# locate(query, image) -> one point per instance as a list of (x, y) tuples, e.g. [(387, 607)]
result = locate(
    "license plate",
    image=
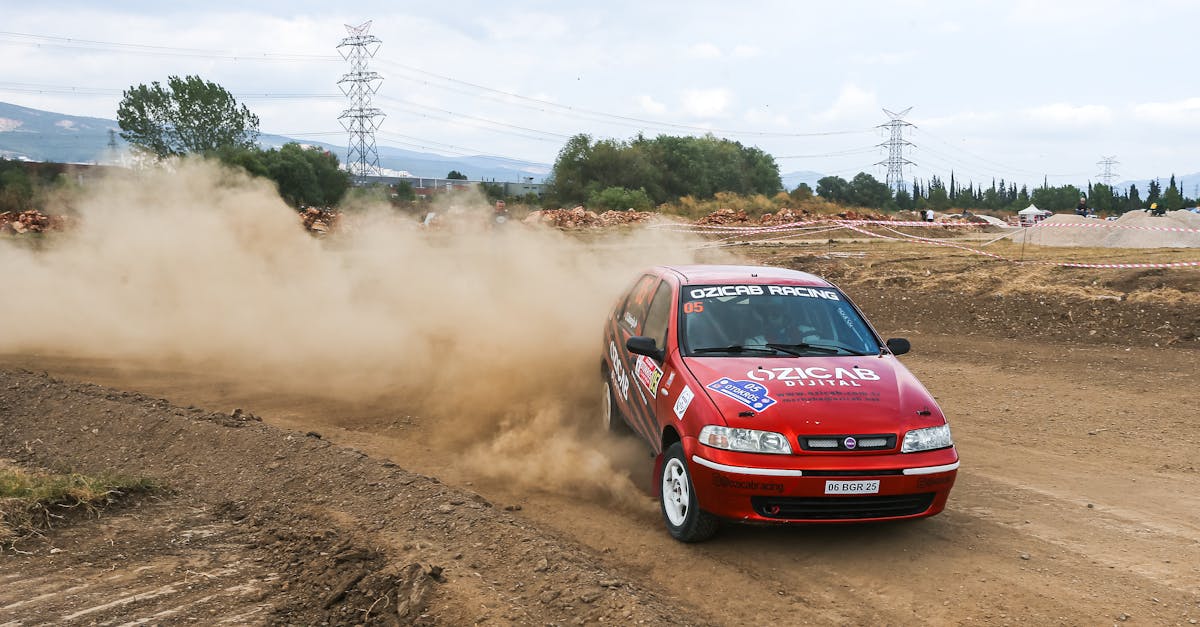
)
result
[(852, 487)]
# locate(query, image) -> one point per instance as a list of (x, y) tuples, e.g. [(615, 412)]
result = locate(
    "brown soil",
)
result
[(1071, 394)]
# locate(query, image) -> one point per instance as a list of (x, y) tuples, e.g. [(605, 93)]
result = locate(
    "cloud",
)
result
[(704, 50), (1065, 114), (852, 102), (760, 117), (885, 58), (704, 103), (650, 105), (1178, 112), (743, 51)]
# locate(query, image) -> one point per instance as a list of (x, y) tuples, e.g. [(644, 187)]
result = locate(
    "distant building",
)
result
[(432, 186)]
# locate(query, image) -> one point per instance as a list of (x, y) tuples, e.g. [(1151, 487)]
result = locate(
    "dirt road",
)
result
[(1076, 503)]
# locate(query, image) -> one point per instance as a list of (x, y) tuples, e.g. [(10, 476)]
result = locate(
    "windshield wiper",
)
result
[(798, 349), (736, 348)]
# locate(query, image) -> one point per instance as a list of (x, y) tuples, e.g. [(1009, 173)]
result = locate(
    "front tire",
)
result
[(685, 520)]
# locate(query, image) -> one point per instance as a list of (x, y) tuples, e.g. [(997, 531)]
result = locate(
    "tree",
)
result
[(833, 189), (1153, 193), (190, 115), (455, 175), (619, 198), (867, 191), (303, 176), (665, 167), (1172, 200)]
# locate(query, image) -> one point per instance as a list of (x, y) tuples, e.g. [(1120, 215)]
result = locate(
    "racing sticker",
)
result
[(815, 376), (648, 373), (681, 404), (748, 393)]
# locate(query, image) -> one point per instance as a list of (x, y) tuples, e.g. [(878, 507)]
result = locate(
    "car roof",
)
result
[(721, 274)]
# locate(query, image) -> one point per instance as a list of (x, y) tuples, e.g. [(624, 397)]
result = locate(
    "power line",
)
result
[(28, 39), (623, 118)]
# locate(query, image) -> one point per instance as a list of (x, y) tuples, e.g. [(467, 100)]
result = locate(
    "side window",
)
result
[(634, 314), (659, 315)]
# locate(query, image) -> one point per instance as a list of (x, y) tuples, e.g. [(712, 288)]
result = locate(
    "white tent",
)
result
[(1031, 215)]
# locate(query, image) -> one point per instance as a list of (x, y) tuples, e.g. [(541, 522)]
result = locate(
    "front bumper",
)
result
[(792, 488)]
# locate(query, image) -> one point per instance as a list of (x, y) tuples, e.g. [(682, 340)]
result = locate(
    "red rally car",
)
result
[(769, 398)]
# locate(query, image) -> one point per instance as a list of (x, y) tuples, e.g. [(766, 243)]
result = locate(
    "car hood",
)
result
[(816, 395)]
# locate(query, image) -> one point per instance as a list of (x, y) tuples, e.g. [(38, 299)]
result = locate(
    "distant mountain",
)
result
[(44, 136), (793, 179), (36, 135)]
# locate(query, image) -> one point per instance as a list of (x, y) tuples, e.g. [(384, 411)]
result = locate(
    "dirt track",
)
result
[(1076, 502)]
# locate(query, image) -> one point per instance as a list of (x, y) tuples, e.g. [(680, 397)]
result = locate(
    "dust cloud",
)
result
[(495, 335)]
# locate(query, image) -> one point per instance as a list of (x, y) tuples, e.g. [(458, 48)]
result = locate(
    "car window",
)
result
[(633, 315), (658, 315), (801, 319)]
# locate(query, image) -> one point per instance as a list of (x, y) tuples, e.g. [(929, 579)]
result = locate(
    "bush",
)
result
[(619, 198)]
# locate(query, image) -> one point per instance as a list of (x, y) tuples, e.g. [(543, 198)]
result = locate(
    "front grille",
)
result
[(841, 507), (848, 442)]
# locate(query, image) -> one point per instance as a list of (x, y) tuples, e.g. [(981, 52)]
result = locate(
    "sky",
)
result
[(1018, 90)]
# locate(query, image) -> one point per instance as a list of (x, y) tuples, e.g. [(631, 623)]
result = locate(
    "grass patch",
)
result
[(34, 501)]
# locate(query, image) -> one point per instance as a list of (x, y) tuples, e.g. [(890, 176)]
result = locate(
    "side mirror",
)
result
[(642, 345), (898, 345)]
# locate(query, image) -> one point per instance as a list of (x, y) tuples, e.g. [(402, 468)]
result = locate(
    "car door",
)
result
[(646, 372)]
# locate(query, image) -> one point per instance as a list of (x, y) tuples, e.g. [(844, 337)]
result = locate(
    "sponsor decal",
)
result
[(630, 320), (726, 290), (685, 399), (619, 376), (648, 373), (808, 292), (721, 481), (751, 394), (670, 379), (814, 376), (810, 395)]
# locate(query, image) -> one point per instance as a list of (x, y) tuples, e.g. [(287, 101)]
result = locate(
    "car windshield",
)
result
[(766, 320)]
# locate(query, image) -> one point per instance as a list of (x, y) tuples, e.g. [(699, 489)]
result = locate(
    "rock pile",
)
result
[(722, 217), (564, 218), (319, 221), (31, 221)]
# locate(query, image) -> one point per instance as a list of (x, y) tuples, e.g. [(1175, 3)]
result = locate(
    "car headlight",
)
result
[(927, 439), (747, 440)]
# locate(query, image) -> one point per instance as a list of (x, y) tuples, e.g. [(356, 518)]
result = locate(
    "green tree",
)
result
[(665, 167), (802, 193), (868, 191), (189, 115), (833, 189), (1153, 193), (1172, 200), (618, 198), (455, 175)]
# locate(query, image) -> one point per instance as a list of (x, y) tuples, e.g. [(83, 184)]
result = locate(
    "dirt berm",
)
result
[(270, 526)]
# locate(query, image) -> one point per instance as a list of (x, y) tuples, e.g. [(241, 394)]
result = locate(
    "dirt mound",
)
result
[(1134, 229)]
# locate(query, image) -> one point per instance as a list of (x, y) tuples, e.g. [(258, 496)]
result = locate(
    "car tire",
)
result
[(610, 415), (685, 520)]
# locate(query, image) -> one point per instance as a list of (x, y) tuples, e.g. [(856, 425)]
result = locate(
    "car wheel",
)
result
[(610, 415), (685, 520)]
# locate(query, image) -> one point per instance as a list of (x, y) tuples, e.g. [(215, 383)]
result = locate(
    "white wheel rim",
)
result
[(606, 418), (675, 495)]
